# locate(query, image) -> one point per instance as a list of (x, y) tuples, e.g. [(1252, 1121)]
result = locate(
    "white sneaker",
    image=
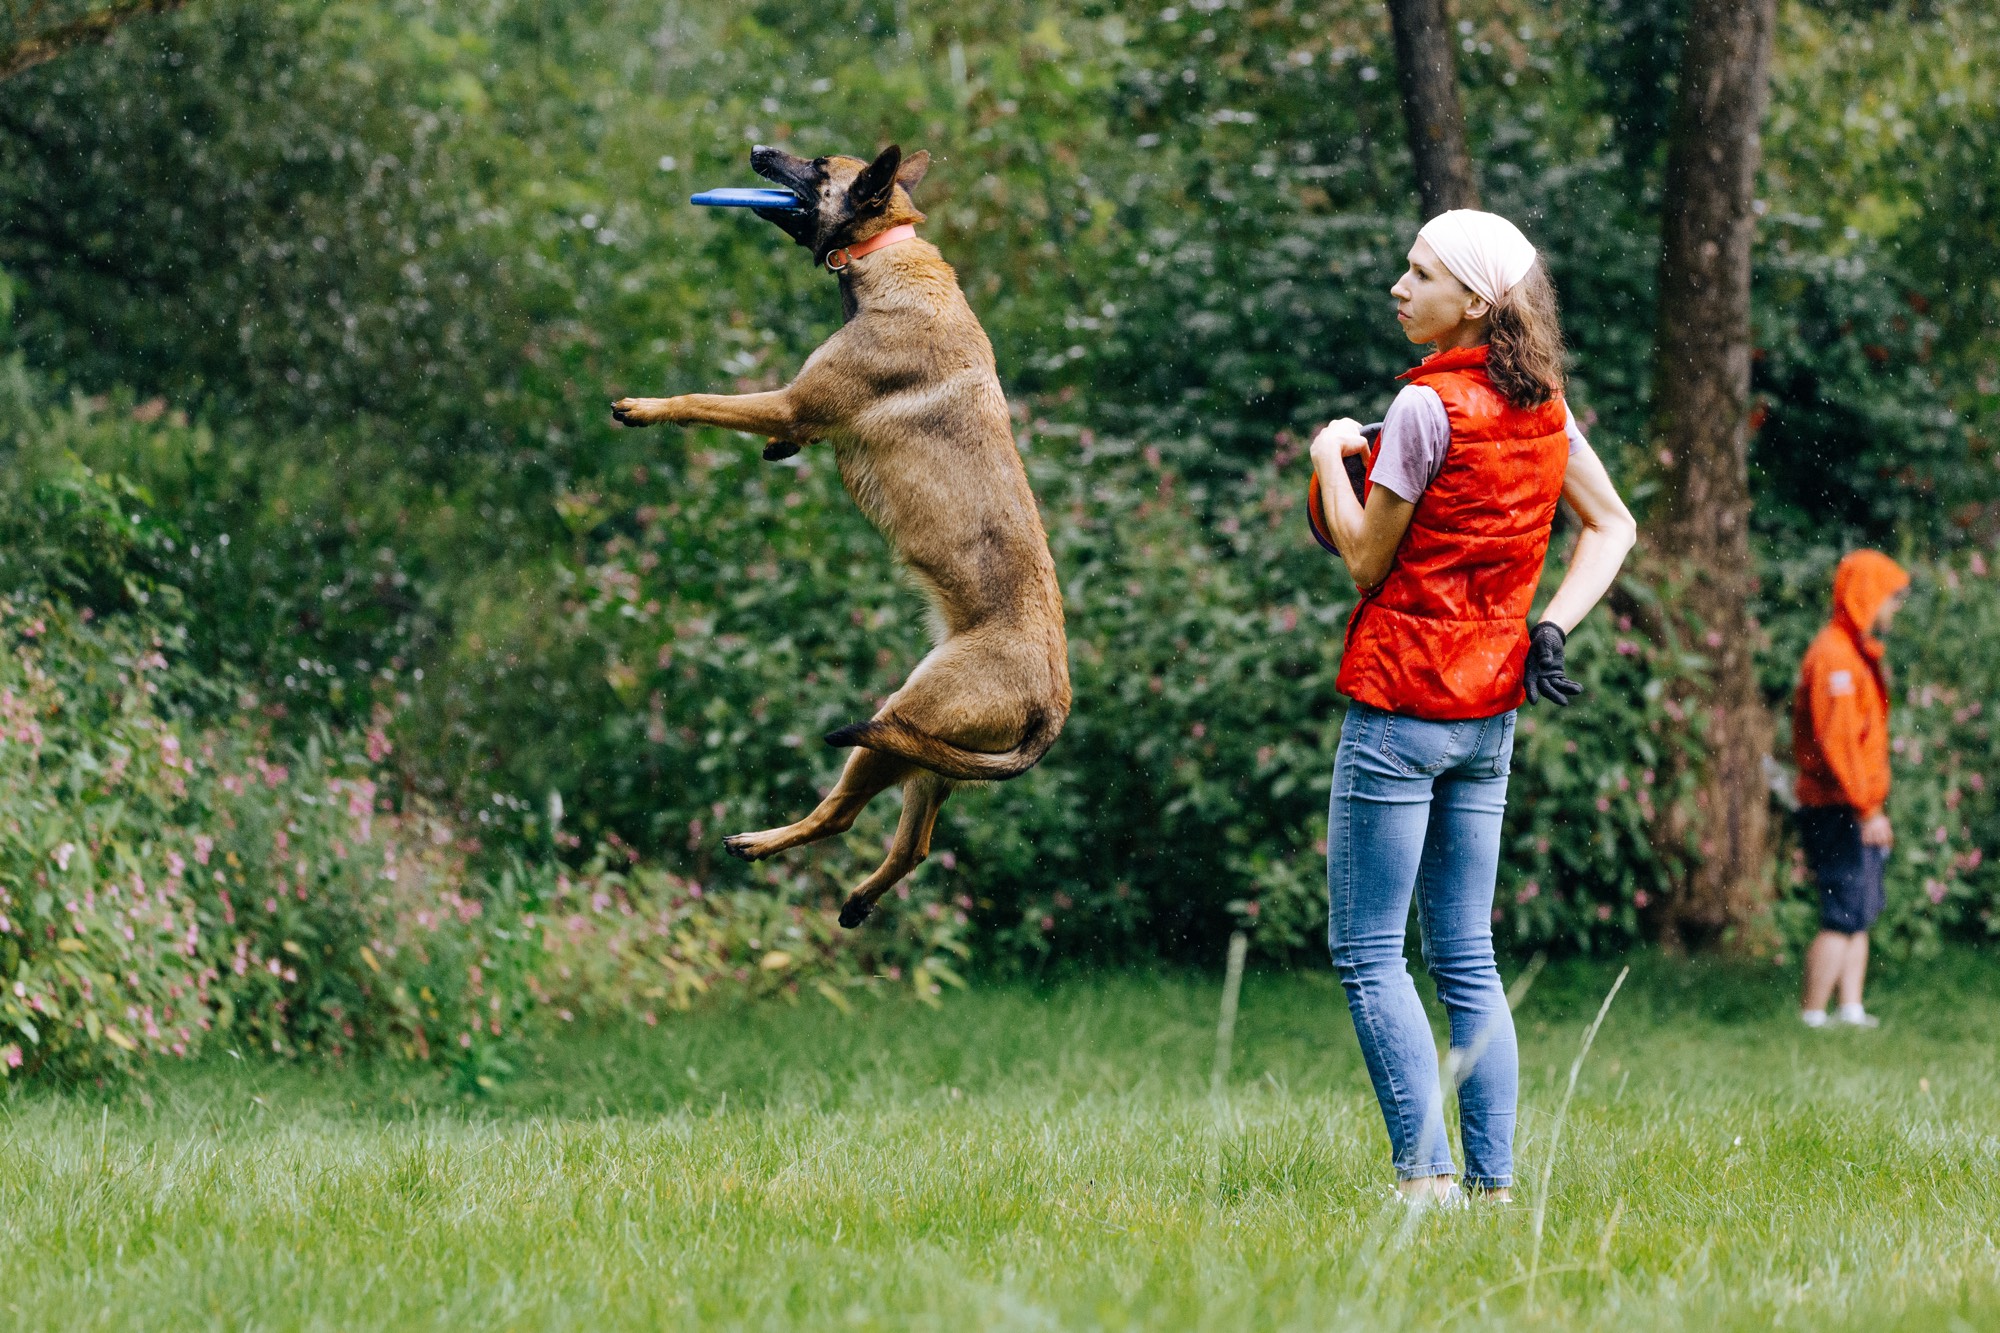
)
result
[(1813, 1018), (1854, 1016), (1451, 1197)]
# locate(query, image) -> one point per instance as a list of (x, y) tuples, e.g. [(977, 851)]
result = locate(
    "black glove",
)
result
[(1544, 675)]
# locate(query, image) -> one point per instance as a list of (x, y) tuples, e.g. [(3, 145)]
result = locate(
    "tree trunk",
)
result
[(1701, 393), (1427, 73)]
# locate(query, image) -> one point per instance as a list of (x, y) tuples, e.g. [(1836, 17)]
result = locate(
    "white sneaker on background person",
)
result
[(1854, 1016), (1813, 1018)]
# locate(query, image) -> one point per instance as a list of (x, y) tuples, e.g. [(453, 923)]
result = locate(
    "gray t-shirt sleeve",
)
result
[(1412, 445), (1577, 444), (1416, 435)]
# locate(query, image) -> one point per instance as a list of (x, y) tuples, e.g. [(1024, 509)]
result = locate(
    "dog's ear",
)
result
[(911, 173), (872, 187)]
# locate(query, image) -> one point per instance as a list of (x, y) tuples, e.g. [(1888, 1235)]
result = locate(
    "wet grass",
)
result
[(1045, 1159)]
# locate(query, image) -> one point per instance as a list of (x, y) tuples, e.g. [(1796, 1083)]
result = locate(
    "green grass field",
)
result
[(1044, 1159)]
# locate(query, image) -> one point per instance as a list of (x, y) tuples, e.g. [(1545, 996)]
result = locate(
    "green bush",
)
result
[(171, 877)]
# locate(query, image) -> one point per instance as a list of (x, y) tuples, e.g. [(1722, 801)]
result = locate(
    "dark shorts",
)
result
[(1847, 873)]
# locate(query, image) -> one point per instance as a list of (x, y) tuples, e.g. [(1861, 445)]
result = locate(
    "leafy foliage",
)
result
[(165, 882), (332, 297)]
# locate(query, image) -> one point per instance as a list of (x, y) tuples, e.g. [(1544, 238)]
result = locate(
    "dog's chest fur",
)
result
[(857, 460)]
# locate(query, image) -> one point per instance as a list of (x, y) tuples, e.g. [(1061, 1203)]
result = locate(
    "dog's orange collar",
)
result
[(847, 254)]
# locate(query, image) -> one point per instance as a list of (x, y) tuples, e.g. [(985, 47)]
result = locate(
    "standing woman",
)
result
[(1446, 551)]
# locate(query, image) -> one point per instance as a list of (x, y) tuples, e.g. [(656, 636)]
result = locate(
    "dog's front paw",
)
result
[(853, 912), (640, 411), (742, 846)]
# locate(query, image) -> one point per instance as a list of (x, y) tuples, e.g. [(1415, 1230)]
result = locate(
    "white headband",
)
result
[(1484, 251)]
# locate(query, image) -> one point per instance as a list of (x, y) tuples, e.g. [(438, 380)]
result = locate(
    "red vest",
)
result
[(1446, 634)]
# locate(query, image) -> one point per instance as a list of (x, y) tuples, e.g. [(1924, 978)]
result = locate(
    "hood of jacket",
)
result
[(1863, 581)]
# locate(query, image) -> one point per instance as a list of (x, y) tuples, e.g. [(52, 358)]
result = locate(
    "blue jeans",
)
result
[(1416, 809)]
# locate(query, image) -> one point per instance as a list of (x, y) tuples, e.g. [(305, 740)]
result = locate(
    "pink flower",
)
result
[(361, 803), (378, 745), (203, 846), (63, 854), (12, 1055), (1641, 898), (1528, 892), (1604, 911), (175, 865), (1934, 890)]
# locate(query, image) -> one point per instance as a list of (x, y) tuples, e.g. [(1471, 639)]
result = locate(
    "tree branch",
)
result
[(96, 25)]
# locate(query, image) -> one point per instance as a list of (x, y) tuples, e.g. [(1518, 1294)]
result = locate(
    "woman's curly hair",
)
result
[(1525, 354)]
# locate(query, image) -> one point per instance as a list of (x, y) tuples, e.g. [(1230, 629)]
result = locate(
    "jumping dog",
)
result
[(907, 393)]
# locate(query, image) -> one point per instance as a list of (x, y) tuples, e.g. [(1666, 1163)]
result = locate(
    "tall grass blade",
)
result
[(1555, 1137), (1225, 1027), (1218, 1075)]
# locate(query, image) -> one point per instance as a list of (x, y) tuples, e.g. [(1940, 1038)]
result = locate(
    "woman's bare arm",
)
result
[(1366, 537), (1608, 534)]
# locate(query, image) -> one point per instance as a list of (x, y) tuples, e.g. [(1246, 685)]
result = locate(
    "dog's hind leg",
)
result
[(923, 793), (867, 775)]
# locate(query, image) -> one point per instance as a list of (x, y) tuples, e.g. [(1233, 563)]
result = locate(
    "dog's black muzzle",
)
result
[(787, 170), (802, 178)]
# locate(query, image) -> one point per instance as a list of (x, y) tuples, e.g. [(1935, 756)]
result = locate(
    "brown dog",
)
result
[(907, 393)]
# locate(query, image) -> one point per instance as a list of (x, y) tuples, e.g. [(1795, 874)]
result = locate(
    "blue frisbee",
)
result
[(784, 200)]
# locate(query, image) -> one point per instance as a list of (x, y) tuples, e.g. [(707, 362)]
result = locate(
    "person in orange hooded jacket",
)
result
[(1840, 741)]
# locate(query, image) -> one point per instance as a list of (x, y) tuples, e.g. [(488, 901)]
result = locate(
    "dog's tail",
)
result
[(890, 736)]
